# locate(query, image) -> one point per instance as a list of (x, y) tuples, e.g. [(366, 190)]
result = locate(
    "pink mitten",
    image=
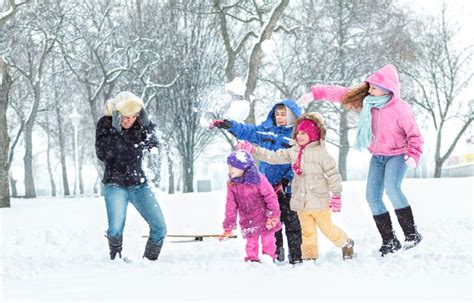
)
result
[(244, 145), (335, 204), (409, 161), (227, 234), (271, 223), (305, 99)]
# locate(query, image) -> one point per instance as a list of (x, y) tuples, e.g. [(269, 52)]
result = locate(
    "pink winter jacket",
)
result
[(254, 203), (393, 126)]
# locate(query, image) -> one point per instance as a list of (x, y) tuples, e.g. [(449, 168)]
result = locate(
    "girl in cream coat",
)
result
[(316, 177)]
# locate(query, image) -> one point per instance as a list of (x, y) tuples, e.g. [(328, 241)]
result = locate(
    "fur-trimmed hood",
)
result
[(126, 103), (317, 118)]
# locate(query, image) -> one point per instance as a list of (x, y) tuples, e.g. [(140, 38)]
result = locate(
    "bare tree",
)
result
[(247, 13), (442, 76), (7, 11), (5, 83), (31, 65), (180, 107)]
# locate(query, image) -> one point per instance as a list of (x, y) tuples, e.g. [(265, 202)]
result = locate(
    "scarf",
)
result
[(297, 165), (364, 127)]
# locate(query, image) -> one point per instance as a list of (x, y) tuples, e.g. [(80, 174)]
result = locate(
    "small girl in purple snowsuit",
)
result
[(251, 196)]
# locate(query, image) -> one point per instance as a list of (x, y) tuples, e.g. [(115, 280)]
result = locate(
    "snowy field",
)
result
[(54, 250)]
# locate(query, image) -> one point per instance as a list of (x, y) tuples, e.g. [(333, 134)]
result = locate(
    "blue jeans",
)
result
[(386, 172), (116, 201)]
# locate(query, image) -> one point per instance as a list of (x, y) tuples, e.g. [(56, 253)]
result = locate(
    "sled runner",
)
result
[(197, 237)]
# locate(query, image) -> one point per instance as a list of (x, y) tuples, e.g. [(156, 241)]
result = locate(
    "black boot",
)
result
[(115, 246), (390, 243), (152, 250), (405, 218), (280, 252)]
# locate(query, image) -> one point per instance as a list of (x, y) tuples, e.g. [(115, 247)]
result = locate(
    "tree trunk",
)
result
[(188, 174), (438, 160), (438, 168), (62, 153), (14, 192), (256, 58), (344, 145), (170, 173), (48, 157), (5, 83), (30, 191)]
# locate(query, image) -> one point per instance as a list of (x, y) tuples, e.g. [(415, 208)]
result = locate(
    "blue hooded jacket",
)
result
[(270, 136)]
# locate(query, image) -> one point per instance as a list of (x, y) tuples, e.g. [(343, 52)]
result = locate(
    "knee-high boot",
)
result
[(390, 243), (152, 250), (405, 218), (115, 246)]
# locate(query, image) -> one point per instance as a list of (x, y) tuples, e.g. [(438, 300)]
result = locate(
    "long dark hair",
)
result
[(355, 97)]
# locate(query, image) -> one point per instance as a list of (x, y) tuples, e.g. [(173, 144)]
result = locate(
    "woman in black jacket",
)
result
[(122, 135)]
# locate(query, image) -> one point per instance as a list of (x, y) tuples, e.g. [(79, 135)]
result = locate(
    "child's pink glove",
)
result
[(335, 204), (305, 99), (409, 161), (227, 234), (271, 222), (244, 145)]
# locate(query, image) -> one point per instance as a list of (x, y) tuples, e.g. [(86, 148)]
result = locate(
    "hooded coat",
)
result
[(393, 126), (320, 176), (254, 203), (272, 137)]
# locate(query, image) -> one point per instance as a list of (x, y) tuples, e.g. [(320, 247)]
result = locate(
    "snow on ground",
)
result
[(53, 249)]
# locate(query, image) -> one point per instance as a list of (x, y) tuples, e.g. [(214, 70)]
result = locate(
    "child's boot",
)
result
[(280, 252), (405, 218), (348, 249)]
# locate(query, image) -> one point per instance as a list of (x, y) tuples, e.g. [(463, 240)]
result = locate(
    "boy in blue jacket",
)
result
[(275, 133)]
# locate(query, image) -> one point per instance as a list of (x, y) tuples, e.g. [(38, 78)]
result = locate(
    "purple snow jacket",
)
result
[(393, 126), (254, 203)]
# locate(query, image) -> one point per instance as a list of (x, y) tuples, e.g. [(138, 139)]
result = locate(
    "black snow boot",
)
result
[(152, 250), (405, 218), (280, 252), (390, 243), (115, 246)]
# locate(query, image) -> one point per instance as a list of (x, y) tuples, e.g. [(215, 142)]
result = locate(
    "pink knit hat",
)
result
[(310, 128)]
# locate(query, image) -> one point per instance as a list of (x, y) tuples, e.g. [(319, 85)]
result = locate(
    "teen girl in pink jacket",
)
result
[(388, 129)]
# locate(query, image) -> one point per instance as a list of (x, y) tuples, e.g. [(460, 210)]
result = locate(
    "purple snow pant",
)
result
[(268, 246)]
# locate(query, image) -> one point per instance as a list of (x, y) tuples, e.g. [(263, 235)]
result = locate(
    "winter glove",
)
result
[(409, 161), (143, 118), (305, 99), (244, 145), (116, 121), (271, 222), (226, 235), (225, 124), (335, 204)]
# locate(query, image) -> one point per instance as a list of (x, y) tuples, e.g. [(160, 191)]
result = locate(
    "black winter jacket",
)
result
[(122, 152)]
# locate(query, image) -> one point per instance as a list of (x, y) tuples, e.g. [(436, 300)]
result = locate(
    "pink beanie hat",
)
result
[(310, 128)]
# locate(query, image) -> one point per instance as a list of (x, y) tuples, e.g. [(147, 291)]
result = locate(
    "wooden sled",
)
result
[(196, 237)]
